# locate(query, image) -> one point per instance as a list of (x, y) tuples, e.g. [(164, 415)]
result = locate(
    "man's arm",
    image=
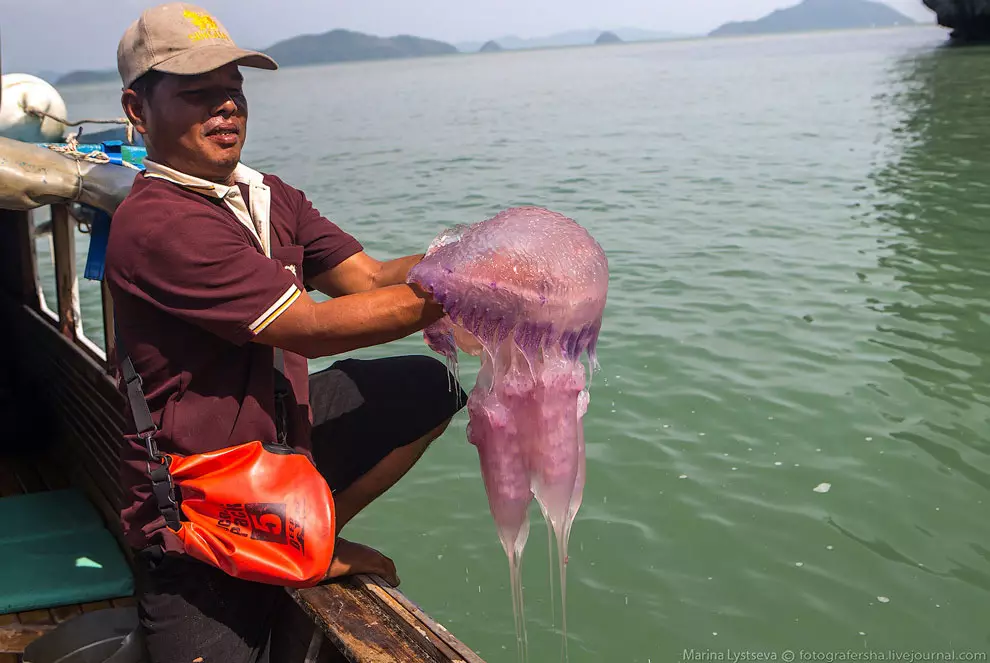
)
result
[(352, 321), (361, 273)]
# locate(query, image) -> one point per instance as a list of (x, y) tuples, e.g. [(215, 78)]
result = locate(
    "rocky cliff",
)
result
[(969, 20)]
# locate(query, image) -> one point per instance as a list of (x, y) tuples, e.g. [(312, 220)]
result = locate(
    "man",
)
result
[(208, 264)]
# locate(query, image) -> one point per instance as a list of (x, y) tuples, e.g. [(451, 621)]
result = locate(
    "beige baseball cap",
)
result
[(179, 38)]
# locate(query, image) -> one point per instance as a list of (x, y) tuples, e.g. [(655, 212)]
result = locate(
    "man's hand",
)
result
[(353, 558)]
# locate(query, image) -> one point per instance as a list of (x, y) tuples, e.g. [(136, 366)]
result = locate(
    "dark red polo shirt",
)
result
[(191, 286)]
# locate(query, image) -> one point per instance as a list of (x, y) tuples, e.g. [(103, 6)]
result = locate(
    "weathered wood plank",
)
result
[(108, 326), (360, 629), (399, 604), (35, 617), (18, 260), (65, 612), (51, 474), (27, 475), (101, 461), (16, 637), (35, 328), (95, 605), (9, 485), (9, 658), (66, 283), (20, 630)]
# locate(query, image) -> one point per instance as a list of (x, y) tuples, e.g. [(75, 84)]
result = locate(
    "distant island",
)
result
[(346, 46), (47, 75), (490, 47), (570, 38), (333, 46), (84, 77), (608, 38), (969, 21), (820, 15)]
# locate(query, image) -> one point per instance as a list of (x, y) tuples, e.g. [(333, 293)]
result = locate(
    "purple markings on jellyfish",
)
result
[(525, 291)]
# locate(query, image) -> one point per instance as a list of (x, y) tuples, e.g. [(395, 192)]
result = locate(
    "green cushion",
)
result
[(38, 515), (54, 550), (62, 569)]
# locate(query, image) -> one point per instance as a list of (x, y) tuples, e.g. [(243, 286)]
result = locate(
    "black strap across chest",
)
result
[(146, 428), (157, 465)]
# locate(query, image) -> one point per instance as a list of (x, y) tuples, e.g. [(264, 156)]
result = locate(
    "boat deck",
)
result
[(32, 473)]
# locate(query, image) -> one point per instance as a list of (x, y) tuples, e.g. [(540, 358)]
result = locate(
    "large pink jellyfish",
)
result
[(526, 292)]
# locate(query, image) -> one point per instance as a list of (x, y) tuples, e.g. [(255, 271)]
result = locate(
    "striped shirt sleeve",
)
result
[(275, 310)]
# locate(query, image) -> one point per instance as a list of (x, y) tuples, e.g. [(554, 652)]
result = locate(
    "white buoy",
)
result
[(23, 91)]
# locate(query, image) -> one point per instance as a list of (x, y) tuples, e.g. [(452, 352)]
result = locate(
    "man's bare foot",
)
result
[(351, 558)]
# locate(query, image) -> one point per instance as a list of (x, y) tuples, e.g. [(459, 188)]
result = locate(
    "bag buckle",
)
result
[(149, 443), (164, 492)]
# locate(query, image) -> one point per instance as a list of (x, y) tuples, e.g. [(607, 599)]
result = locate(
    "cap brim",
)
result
[(208, 58)]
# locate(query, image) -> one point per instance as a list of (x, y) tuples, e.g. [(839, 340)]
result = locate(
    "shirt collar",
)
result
[(242, 174), (256, 217)]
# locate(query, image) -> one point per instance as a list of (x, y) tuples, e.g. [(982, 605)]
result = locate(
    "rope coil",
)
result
[(71, 149)]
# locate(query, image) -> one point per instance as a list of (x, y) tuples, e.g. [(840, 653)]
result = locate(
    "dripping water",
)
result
[(564, 536), (518, 610), (553, 618), (561, 534), (546, 517), (562, 564)]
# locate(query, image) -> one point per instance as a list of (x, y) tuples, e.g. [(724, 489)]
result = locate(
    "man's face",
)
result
[(194, 124)]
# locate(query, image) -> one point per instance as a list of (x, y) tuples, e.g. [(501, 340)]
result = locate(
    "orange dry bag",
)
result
[(258, 511)]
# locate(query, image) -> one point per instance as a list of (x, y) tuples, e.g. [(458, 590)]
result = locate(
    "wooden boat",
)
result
[(63, 386)]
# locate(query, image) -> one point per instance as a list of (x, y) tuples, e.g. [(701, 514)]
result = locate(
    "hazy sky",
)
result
[(63, 35)]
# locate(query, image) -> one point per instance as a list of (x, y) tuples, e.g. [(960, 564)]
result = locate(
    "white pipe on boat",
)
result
[(21, 92), (32, 176)]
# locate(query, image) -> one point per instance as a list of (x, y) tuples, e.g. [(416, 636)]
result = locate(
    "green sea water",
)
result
[(797, 233)]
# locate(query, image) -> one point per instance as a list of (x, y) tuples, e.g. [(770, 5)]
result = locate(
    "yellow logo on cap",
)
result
[(207, 26)]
